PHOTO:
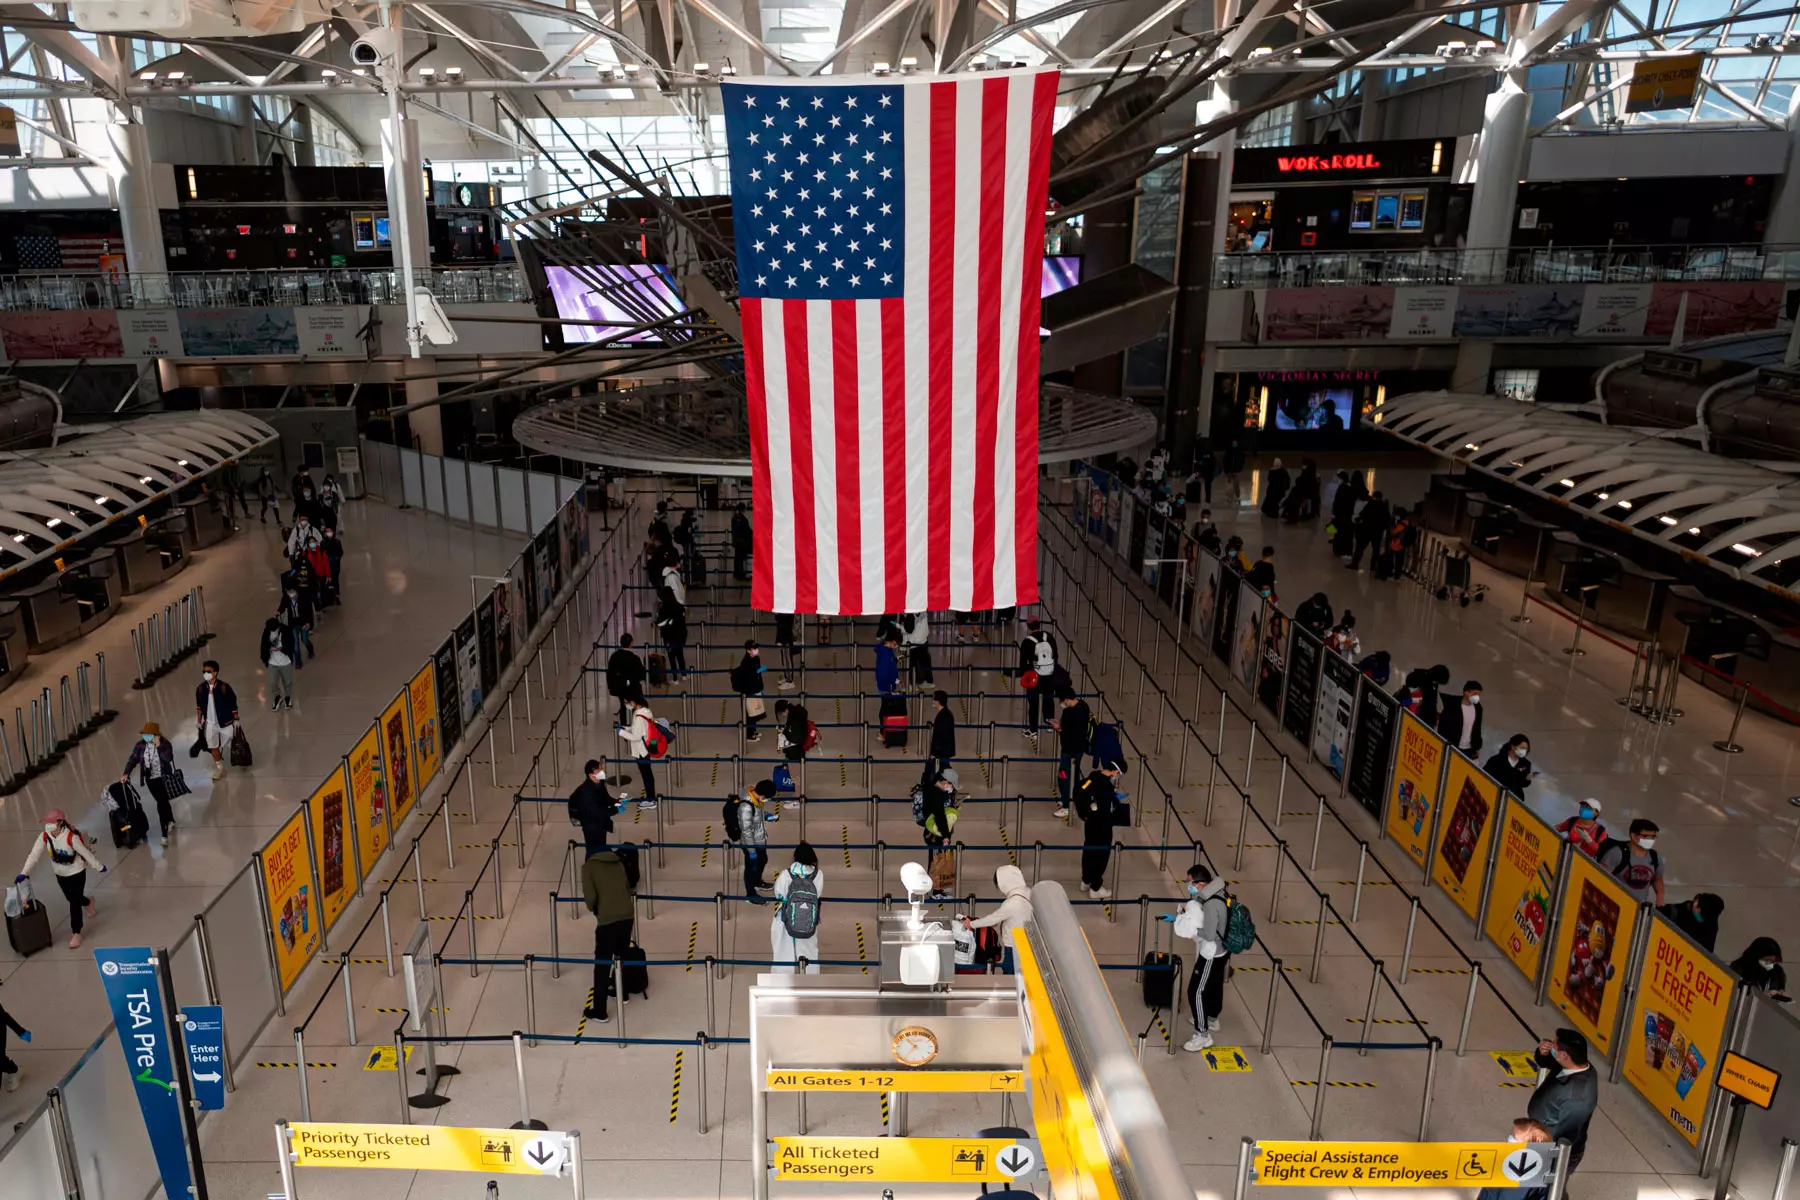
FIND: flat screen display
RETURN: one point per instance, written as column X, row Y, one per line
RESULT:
column 1060, row 273
column 633, row 294
column 1314, row 410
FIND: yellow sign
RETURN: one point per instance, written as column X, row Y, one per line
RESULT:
column 330, row 809
column 1661, row 84
column 293, row 909
column 1465, row 833
column 429, row 1148
column 1524, row 881
column 382, row 1058
column 1401, row 1164
column 1230, row 1059
column 1520, row 1064
column 369, row 796
column 1593, row 942
column 1079, row 1166
column 421, row 695
column 903, row 1160
column 397, row 759
column 896, row 1081
column 1413, row 796
column 1751, row 1080
column 1677, row 1027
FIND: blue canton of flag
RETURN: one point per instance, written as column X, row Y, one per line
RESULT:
column 818, row 190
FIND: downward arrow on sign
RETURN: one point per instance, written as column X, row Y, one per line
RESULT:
column 1014, row 1161
column 539, row 1159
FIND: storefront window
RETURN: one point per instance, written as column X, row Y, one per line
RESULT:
column 1520, row 383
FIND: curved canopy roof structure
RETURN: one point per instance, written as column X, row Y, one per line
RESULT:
column 1728, row 514
column 50, row 499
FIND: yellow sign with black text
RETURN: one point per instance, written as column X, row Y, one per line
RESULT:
column 429, row 1148
column 902, row 1160
column 1677, row 1028
column 1751, row 1080
column 1078, row 1162
column 1661, row 84
column 1413, row 798
column 1402, row 1164
column 895, row 1081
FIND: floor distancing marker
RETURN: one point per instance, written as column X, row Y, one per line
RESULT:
column 843, row 772
column 693, row 935
column 481, row 845
column 705, row 845
column 1386, row 1021
column 369, row 962
column 722, row 704
column 982, row 763
column 401, row 1010
column 409, row 879
column 884, row 1110
column 637, row 814
column 581, row 1026
column 839, row 702
column 288, row 1066
column 846, row 839
column 861, row 952
column 1266, row 970
column 1438, row 971
column 1356, row 1083
column 1011, row 856
column 1306, row 921
column 1253, row 845
column 452, row 918
column 675, row 1090
column 1165, row 1029
column 1366, row 883
column 1516, row 1083
column 715, row 778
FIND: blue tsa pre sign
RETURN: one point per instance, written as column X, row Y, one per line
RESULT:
column 203, row 1028
column 141, row 1019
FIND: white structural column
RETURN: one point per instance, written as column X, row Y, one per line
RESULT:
column 1783, row 228
column 127, row 160
column 1499, row 158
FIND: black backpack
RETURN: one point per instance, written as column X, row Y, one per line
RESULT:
column 729, row 814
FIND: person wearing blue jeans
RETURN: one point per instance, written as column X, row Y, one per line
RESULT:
column 1071, row 724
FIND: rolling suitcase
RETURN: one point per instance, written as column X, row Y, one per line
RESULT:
column 130, row 824
column 29, row 932
column 658, row 670
column 637, row 975
column 1160, row 982
column 893, row 722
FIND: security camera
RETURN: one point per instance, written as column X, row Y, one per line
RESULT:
column 373, row 47
column 917, row 882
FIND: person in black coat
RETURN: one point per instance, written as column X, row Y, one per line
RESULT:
column 332, row 588
column 1095, row 800
column 1072, row 730
column 1459, row 722
column 592, row 806
column 1698, row 917
column 625, row 676
column 1275, row 490
column 1510, row 766
column 741, row 542
column 1428, row 680
column 671, row 623
column 1371, row 528
column 1314, row 615
column 942, row 747
column 216, row 712
column 1564, row 1102
column 295, row 613
column 1759, row 966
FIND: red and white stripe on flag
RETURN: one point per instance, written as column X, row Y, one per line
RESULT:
column 894, row 440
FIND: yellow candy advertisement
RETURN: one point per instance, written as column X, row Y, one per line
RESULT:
column 1593, row 940
column 1677, row 1031
column 397, row 759
column 1413, row 794
column 422, row 696
column 1524, row 882
column 293, row 909
column 369, row 797
column 1465, row 833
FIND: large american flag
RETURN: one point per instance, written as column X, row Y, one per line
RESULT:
column 63, row 251
column 889, row 241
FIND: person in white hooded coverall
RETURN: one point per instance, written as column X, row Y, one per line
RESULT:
column 788, row 949
column 1204, row 918
column 1014, row 911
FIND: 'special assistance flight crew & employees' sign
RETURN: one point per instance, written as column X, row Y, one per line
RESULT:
column 1402, row 1164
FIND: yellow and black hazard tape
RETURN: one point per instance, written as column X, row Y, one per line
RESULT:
column 1266, row 970
column 861, row 952
column 675, row 1090
column 1366, row 883
column 581, row 1025
column 982, row 763
column 1386, row 1021
column 1437, row 971
column 1516, row 1083
column 843, row 772
column 722, row 704
column 705, row 845
column 1165, row 1029
column 369, row 962
column 401, row 1010
column 1253, row 845
column 409, row 879
column 884, row 1110
column 288, row 1066
column 1353, row 1083
column 1011, row 856
column 466, row 917
column 715, row 777
column 693, row 936
column 481, row 845
column 637, row 814
column 1306, row 921
column 846, row 840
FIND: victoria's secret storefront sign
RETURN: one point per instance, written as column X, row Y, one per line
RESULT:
column 1367, row 162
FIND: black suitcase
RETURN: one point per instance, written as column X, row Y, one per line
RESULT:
column 1159, row 984
column 637, row 975
column 657, row 669
column 130, row 824
column 696, row 563
column 29, row 932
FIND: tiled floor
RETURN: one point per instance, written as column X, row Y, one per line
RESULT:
column 621, row 1098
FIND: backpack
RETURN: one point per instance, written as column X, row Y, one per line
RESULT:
column 1039, row 654
column 1240, row 929
column 799, row 911
column 1625, row 873
column 811, row 740
column 918, row 804
column 729, row 814
column 657, row 738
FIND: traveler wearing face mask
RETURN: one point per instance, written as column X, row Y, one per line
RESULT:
column 1698, row 917
column 296, row 614
column 1510, row 766
column 153, row 757
column 747, row 681
column 1759, row 966
column 592, row 807
column 303, row 538
column 1460, row 724
column 69, row 860
column 1584, row 830
column 794, row 929
column 1635, row 862
column 1204, row 918
column 216, row 711
column 1564, row 1102
column 278, row 650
